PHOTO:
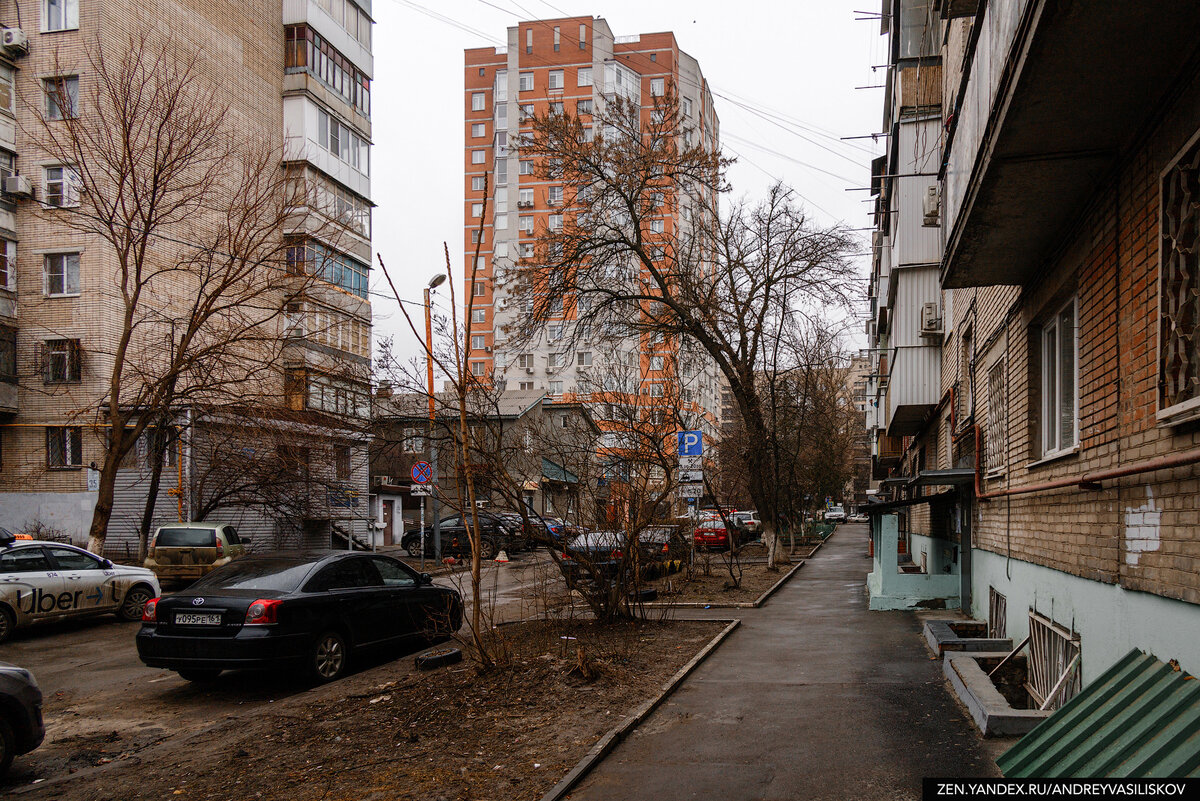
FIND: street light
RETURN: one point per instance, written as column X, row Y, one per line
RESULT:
column 434, row 283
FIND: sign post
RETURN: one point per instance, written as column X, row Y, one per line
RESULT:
column 422, row 474
column 691, row 466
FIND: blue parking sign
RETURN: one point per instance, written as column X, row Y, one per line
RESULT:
column 690, row 443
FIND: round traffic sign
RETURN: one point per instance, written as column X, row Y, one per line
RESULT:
column 422, row 473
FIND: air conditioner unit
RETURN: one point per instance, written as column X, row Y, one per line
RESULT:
column 18, row 185
column 381, row 480
column 931, row 205
column 15, row 41
column 529, row 370
column 524, row 204
column 487, row 349
column 931, row 320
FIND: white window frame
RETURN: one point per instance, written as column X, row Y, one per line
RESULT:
column 584, row 358
column 500, row 222
column 583, row 77
column 478, row 156
column 554, row 195
column 65, row 87
column 478, row 130
column 68, row 18
column 68, row 193
column 478, row 101
column 554, row 222
column 1051, row 386
column 477, row 183
column 525, row 82
column 8, row 257
column 68, row 290
column 655, row 364
column 556, row 388
column 658, row 87
column 476, row 210
column 525, row 167
column 657, row 226
column 555, row 79
column 525, row 198
column 525, row 224
column 478, row 317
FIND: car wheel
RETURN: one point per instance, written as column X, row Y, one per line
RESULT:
column 8, row 746
column 329, row 657
column 487, row 549
column 7, row 623
column 199, row 675
column 134, row 603
column 413, row 546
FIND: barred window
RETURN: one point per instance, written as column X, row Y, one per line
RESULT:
column 64, row 446
column 61, row 360
column 997, row 420
column 1179, row 297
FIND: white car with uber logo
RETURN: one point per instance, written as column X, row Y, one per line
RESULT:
column 41, row 581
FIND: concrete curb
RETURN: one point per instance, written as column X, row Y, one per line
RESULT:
column 755, row 604
column 614, row 736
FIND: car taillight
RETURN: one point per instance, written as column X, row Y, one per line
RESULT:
column 666, row 547
column 148, row 611
column 220, row 549
column 263, row 612
column 615, row 555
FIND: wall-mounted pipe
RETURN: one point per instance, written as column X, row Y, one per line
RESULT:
column 1092, row 480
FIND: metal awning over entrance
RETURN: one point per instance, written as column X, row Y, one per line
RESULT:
column 891, row 506
column 1140, row 719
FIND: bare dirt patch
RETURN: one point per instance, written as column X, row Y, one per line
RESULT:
column 716, row 586
column 391, row 732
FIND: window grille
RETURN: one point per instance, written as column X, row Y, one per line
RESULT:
column 997, row 421
column 997, row 615
column 1053, row 662
column 1179, row 309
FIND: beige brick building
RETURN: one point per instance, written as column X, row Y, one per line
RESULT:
column 1043, row 344
column 296, row 79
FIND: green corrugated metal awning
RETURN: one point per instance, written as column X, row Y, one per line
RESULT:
column 1140, row 719
column 556, row 472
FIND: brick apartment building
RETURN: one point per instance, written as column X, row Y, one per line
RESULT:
column 1034, row 316
column 570, row 65
column 296, row 77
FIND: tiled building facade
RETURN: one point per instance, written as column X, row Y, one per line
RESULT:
column 296, row 78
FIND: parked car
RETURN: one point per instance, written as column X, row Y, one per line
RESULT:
column 835, row 514
column 665, row 542
column 21, row 726
column 597, row 554
column 183, row 552
column 748, row 524
column 42, row 581
column 712, row 532
column 497, row 535
column 857, row 518
column 300, row 612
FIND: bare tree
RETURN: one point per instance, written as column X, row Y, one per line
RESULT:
column 730, row 286
column 192, row 207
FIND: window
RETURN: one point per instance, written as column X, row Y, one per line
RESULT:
column 582, row 36
column 500, row 222
column 500, row 251
column 556, row 387
column 584, row 358
column 477, row 101
column 341, row 462
column 60, row 360
column 997, row 421
column 554, row 360
column 1179, row 325
column 501, row 201
column 528, row 385
column 1059, row 382
column 477, row 183
column 556, row 107
column 501, row 87
column 529, row 40
column 525, row 168
column 8, row 264
column 656, row 87
column 478, row 156
column 584, row 106
column 477, row 341
column 656, row 363
column 62, row 186
column 478, row 130
column 308, row 257
column 413, row 441
column 584, row 76
column 556, row 79
column 475, row 237
column 525, row 82
column 525, row 361
column 501, row 143
column 478, row 289
column 348, row 147
column 556, row 38
column 501, row 168
column 478, row 368
column 687, row 107
column 525, row 224
column 478, row 316
column 555, row 222
column 64, row 446
column 8, row 354
column 526, row 250
column 7, row 90
column 62, row 97
column 554, row 332
column 525, row 198
column 655, row 390
column 656, row 226
column 476, row 210
column 305, row 50
column 60, row 15
column 526, row 111
column 555, row 195
column 62, row 274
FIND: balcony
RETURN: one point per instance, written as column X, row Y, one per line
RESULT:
column 914, row 355
column 1055, row 93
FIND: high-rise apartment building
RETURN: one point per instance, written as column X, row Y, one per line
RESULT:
column 571, row 65
column 296, row 77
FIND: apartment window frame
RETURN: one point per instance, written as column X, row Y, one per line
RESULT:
column 584, row 106
column 8, row 264
column 996, row 433
column 583, row 358
column 68, row 269
column 526, row 386
column 584, row 77
column 308, row 51
column 478, row 156
column 60, row 15
column 554, row 81
column 61, row 186
column 478, row 317
column 478, row 289
column 555, row 387
column 478, row 101
column 412, row 440
column 479, row 369
column 658, row 87
column 478, row 341
column 1056, row 380
column 525, row 361
column 1177, row 395
column 525, row 82
column 62, row 97
column 64, row 447
column 478, row 183
column 554, row 195
column 8, row 354
column 62, row 361
column 525, row 167
column 476, row 210
column 525, row 198
column 478, row 130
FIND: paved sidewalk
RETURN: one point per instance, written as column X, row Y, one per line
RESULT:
column 812, row 697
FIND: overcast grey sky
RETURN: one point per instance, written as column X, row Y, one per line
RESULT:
column 783, row 75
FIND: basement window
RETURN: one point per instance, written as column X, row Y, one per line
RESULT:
column 1179, row 311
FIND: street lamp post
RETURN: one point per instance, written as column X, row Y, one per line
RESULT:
column 434, row 283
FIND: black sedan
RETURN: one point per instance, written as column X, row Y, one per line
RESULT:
column 456, row 540
column 293, row 611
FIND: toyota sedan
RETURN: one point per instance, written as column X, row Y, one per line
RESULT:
column 307, row 613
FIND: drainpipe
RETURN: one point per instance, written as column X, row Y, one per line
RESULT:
column 1091, row 481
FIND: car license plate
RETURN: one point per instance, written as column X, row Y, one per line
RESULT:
column 197, row 618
